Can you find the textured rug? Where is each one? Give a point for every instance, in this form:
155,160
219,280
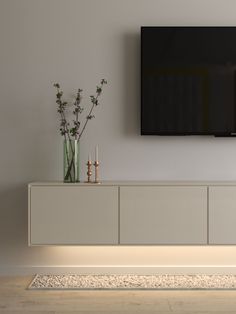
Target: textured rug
134,282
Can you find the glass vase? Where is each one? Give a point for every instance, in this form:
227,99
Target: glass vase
71,161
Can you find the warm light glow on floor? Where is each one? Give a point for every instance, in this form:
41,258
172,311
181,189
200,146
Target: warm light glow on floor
141,256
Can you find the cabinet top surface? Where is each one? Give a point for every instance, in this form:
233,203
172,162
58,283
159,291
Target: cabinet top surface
137,183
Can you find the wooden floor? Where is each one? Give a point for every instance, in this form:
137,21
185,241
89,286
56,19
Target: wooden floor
14,298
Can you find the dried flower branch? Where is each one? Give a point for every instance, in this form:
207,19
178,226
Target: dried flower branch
94,101
64,125
74,131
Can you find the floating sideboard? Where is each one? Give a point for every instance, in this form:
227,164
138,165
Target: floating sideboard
132,213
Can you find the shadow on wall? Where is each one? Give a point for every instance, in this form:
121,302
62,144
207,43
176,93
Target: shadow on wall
13,216
33,153
131,84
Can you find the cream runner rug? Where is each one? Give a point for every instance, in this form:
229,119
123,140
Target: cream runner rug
134,282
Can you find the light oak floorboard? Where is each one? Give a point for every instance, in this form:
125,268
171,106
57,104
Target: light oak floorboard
16,299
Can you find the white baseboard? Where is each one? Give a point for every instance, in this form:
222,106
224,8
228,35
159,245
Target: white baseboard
107,269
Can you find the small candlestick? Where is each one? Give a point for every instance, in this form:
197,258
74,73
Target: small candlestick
89,171
96,165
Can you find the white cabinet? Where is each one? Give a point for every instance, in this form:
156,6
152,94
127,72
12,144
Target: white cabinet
163,215
70,215
222,215
132,213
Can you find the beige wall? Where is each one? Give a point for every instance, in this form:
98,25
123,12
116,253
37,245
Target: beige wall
77,42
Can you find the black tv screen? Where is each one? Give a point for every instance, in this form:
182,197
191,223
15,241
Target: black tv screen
188,81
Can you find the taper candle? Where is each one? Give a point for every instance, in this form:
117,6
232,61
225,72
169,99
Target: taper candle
96,153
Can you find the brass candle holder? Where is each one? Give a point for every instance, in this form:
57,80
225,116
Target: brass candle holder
96,165
89,171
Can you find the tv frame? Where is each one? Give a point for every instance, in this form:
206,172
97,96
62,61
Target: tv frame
215,134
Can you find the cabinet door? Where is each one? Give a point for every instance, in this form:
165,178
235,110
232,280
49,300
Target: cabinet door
222,215
163,215
70,215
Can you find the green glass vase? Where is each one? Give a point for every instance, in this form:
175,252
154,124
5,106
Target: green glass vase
71,161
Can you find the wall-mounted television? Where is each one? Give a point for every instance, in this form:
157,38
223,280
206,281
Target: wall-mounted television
188,80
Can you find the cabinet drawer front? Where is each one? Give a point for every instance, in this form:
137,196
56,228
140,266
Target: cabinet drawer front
222,215
163,215
73,215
